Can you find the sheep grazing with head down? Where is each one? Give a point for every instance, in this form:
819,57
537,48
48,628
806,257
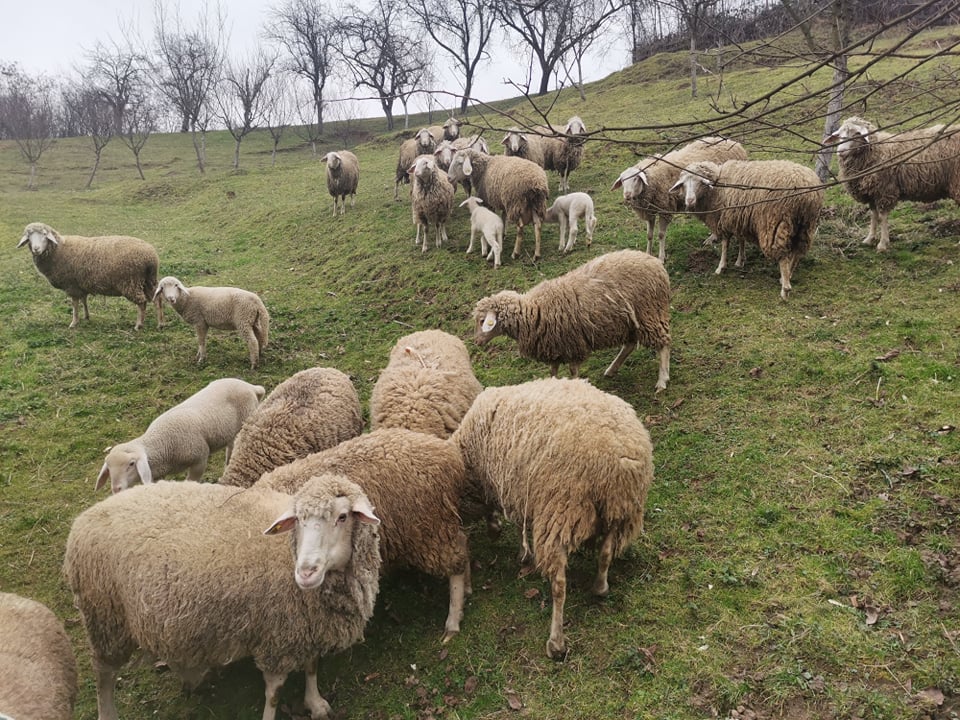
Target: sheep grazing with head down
647,185
515,187
564,489
223,308
490,227
431,199
774,203
189,573
621,298
567,211
183,437
310,411
109,265
343,175
37,664
427,386
882,168
420,144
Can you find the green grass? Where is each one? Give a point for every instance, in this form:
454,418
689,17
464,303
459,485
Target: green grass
805,474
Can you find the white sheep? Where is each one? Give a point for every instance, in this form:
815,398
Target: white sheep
621,298
312,410
882,168
775,203
647,185
567,210
547,148
343,175
448,148
427,385
515,187
450,130
183,437
490,227
38,672
110,265
431,199
223,308
420,144
566,461
189,573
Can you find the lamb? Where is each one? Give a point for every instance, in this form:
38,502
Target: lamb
37,664
183,572
775,203
113,265
450,130
621,298
646,185
565,489
310,411
881,168
415,482
567,210
420,144
343,174
431,199
223,308
490,226
427,386
512,186
183,437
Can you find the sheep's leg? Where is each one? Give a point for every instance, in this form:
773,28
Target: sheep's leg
662,238
883,218
141,315
650,228
455,611
554,369
786,270
723,256
75,319
663,354
741,254
600,585
106,684
574,369
195,471
473,233
353,199
589,224
496,249
416,240
618,360
253,346
872,232
536,236
161,321
86,310
572,234
273,682
202,342
563,232
312,699
557,644
229,452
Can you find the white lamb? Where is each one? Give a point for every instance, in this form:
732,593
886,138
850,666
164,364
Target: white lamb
490,227
567,210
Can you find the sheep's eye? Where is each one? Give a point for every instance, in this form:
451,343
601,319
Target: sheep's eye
342,518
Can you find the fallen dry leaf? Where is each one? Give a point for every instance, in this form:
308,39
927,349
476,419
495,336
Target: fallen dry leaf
889,355
470,685
931,696
513,700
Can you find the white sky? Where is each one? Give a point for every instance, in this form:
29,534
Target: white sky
51,37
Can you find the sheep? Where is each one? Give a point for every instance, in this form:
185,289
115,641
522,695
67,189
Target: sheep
427,385
183,437
420,144
343,174
312,410
621,298
775,203
566,483
182,572
431,199
223,308
646,185
563,153
567,210
881,168
37,664
415,482
446,150
450,130
490,226
109,265
528,146
512,186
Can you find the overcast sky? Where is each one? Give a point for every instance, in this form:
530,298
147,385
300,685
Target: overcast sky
51,36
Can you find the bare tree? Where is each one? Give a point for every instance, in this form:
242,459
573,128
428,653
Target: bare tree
138,122
117,74
583,32
278,109
242,101
27,115
421,76
95,117
308,129
307,32
694,14
462,29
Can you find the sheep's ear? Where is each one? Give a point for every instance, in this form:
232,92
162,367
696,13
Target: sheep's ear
363,511
464,202
143,469
52,237
617,183
157,292
643,178
102,477
479,201
283,524
489,322
467,165
676,186
23,240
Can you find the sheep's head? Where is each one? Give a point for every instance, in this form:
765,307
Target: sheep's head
425,141
423,167
444,154
576,129
41,238
696,180
332,160
171,290
633,181
513,141
494,315
125,465
461,166
854,132
451,129
472,202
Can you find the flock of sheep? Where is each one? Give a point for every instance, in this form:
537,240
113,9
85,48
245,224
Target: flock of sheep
147,565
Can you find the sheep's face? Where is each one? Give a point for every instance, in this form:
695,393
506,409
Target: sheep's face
423,168
460,168
333,161
576,127
692,185
39,238
425,141
853,133
451,129
513,141
124,467
634,183
171,290
444,154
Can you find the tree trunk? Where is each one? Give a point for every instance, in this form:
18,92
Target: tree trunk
832,121
33,175
198,149
96,164
136,155
236,155
467,89
693,64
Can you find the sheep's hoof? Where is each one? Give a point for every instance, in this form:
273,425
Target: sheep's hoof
600,588
882,248
448,636
557,650
868,240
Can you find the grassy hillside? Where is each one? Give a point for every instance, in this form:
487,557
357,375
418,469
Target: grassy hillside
801,552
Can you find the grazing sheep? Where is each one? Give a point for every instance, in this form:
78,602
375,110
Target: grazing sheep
490,226
621,298
882,168
427,386
415,482
37,666
184,572
420,144
450,130
582,471
183,437
310,411
446,150
567,210
343,174
431,199
774,203
646,185
515,187
223,308
110,265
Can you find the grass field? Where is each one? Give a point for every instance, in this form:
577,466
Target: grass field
802,549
